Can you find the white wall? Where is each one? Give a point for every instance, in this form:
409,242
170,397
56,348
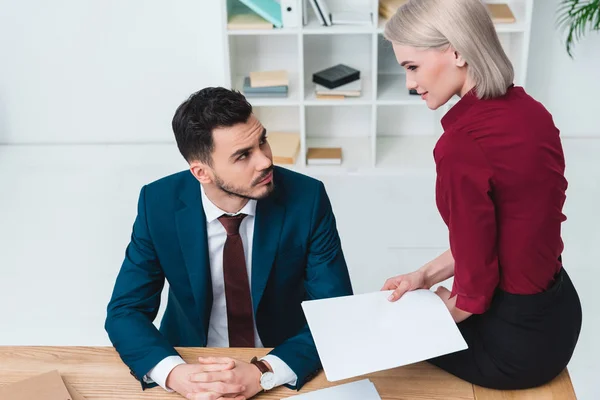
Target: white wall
568,88
103,71
114,71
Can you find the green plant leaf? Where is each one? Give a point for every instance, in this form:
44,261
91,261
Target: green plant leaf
577,17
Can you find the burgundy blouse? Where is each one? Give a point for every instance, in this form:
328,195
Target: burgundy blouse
500,189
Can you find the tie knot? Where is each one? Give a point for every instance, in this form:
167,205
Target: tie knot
231,223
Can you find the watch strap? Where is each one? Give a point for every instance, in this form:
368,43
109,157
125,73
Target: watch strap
262,367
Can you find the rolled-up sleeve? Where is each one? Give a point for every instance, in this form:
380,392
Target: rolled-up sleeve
465,185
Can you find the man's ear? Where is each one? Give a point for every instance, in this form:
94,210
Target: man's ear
459,60
201,171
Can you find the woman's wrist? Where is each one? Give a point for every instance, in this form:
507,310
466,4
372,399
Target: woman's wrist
426,275
438,270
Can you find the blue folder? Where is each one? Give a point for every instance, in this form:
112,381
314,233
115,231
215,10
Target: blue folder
268,9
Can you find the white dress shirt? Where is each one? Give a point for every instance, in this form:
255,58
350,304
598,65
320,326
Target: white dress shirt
218,335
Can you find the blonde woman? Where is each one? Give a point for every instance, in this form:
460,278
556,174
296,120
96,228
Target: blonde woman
500,189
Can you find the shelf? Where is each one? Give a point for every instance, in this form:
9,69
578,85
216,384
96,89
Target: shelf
293,98
399,155
366,97
314,27
255,32
356,153
321,52
386,130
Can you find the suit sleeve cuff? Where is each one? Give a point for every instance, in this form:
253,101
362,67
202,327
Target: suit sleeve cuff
161,371
283,373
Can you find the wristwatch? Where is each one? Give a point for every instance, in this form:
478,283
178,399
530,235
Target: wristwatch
267,378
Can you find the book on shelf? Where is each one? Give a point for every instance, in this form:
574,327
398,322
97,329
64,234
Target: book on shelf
321,11
305,12
499,12
341,17
329,96
248,21
262,95
268,9
261,79
248,89
324,156
387,8
242,17
284,146
336,76
352,89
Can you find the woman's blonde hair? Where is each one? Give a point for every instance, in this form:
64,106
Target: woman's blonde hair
467,27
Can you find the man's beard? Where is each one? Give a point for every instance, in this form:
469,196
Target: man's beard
242,193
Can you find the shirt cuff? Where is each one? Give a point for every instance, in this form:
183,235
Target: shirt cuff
283,373
473,305
162,370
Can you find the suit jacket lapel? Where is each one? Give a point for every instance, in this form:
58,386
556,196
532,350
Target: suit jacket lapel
267,230
191,229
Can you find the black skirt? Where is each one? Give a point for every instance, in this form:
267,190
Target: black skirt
522,341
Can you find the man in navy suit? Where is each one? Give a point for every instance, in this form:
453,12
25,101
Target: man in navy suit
242,243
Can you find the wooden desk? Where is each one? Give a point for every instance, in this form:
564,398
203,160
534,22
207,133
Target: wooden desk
99,373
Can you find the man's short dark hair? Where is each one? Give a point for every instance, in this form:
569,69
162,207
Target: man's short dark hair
203,111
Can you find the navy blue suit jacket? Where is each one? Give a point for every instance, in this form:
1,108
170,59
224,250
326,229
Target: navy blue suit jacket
296,256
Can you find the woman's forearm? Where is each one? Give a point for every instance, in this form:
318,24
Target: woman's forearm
439,269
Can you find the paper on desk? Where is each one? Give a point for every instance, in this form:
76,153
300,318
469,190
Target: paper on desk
360,334
48,386
359,390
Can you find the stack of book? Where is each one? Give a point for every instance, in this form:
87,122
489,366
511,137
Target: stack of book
337,82
266,84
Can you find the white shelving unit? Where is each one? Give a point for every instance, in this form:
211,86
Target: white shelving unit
385,130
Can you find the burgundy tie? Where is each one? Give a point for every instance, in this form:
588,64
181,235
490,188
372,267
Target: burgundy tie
237,288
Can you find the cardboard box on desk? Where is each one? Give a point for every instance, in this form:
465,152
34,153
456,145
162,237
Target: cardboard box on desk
48,386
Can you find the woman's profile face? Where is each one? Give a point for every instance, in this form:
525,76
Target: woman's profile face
436,74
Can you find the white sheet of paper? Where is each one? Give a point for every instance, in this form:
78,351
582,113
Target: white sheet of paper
360,334
359,390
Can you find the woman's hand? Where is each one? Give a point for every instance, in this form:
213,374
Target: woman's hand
434,272
457,314
404,283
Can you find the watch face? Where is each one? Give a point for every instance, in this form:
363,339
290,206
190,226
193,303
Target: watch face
267,381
